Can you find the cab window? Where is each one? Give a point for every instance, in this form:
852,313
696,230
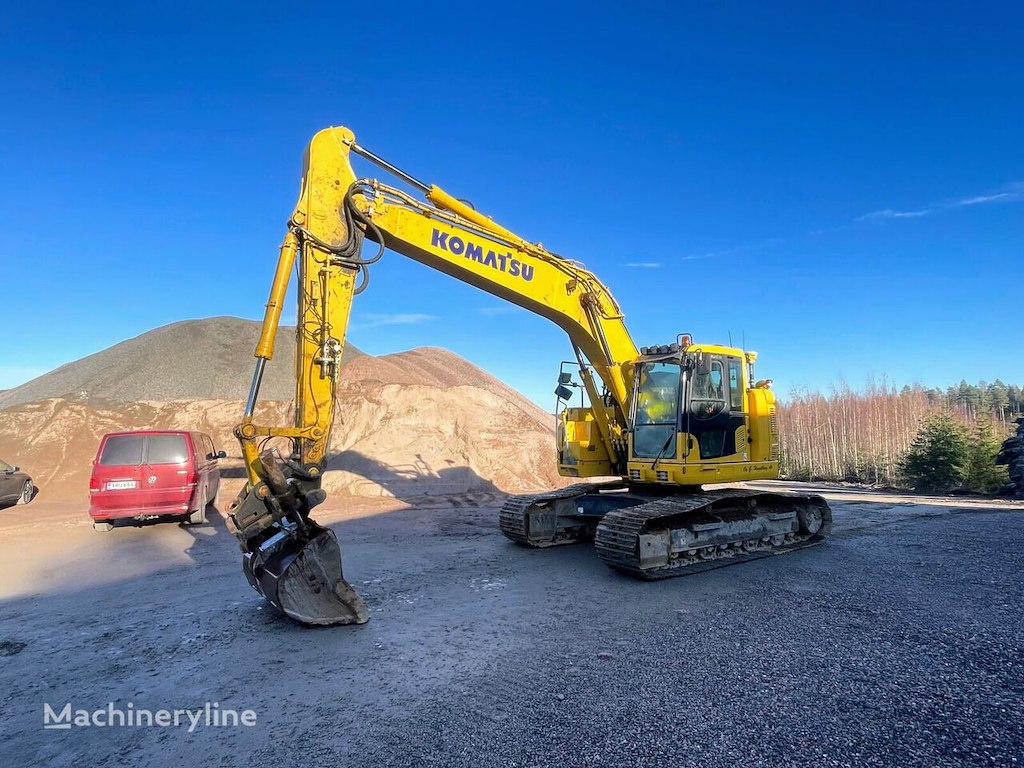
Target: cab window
657,411
736,384
707,392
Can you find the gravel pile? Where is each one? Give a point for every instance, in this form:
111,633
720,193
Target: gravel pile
209,359
415,423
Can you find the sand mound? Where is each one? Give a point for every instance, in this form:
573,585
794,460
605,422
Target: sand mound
390,440
207,359
55,440
421,422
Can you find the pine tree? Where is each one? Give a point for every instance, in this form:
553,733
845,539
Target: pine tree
1016,399
938,457
999,397
983,475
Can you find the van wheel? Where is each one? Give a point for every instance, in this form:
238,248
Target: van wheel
99,525
199,516
27,492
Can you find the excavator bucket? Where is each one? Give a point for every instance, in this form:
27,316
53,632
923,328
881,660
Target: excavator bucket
302,578
288,558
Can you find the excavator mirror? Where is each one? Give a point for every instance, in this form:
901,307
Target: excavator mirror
565,377
704,365
564,393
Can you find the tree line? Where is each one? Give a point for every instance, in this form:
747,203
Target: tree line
912,436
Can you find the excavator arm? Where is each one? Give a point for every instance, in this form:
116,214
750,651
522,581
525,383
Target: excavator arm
288,558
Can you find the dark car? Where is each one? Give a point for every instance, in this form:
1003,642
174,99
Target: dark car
15,486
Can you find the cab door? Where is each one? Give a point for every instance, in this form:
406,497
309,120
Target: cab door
714,416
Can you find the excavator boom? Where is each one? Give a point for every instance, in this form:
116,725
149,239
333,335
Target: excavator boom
289,559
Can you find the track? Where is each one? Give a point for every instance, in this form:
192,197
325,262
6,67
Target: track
660,537
532,520
680,536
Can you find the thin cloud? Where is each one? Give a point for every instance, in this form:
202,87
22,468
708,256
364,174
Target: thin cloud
1013,192
1008,193
659,265
889,213
985,199
402,318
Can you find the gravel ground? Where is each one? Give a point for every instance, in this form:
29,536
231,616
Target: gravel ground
899,642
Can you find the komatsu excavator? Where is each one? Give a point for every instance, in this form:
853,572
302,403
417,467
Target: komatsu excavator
663,419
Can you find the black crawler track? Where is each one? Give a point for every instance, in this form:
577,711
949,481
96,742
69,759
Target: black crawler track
675,535
515,515
621,535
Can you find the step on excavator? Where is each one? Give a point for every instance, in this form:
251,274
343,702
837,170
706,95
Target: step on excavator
652,425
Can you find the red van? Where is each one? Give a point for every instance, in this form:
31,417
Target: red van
148,474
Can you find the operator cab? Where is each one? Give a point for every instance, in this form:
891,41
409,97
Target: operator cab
688,404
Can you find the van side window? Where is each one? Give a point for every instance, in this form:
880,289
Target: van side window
123,450
166,449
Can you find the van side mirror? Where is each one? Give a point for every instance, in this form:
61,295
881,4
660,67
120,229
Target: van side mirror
15,469
221,455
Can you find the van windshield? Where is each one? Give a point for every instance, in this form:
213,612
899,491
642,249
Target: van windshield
166,449
122,450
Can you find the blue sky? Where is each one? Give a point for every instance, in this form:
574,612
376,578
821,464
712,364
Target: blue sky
840,184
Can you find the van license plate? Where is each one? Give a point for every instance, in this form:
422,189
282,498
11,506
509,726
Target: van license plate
120,485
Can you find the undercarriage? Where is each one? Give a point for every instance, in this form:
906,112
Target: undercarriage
650,534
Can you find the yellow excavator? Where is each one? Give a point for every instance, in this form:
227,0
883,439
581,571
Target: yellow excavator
657,423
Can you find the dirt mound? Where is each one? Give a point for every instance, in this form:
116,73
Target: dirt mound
55,440
390,440
430,366
410,440
422,422
208,359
